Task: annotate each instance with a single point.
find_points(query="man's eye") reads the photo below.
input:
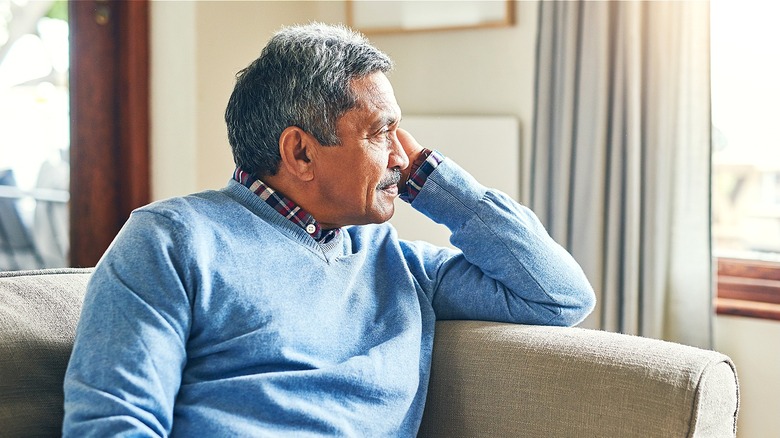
(383, 134)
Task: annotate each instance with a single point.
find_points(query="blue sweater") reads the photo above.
(213, 315)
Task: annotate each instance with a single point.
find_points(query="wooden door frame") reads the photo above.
(109, 120)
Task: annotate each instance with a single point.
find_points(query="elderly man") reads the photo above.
(283, 304)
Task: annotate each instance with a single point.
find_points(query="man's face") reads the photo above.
(357, 179)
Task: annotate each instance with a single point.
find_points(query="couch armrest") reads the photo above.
(491, 379)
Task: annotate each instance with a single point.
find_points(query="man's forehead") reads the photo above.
(375, 95)
(373, 86)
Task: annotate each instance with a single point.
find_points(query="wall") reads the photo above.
(173, 102)
(197, 47)
(754, 346)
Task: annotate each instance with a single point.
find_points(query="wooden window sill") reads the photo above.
(748, 288)
(752, 309)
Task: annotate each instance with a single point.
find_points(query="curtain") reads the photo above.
(620, 159)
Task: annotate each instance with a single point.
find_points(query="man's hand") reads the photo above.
(413, 150)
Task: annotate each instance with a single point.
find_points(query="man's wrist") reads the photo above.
(422, 167)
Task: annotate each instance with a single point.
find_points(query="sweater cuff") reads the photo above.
(451, 195)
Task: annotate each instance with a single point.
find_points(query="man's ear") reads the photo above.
(296, 148)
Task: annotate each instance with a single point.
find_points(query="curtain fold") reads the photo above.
(620, 159)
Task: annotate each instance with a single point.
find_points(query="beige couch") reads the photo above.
(488, 379)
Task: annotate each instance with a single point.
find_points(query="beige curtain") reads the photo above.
(620, 158)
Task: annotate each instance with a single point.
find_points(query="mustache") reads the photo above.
(390, 179)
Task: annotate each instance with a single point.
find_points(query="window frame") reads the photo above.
(747, 287)
(110, 127)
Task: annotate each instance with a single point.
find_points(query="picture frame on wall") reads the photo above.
(379, 16)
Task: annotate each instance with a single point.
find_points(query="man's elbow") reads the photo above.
(579, 304)
(586, 304)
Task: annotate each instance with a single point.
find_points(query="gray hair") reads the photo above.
(302, 78)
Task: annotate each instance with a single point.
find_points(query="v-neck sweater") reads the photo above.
(213, 315)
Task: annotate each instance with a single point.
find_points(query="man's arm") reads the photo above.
(508, 267)
(125, 369)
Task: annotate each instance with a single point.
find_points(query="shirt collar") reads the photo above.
(286, 207)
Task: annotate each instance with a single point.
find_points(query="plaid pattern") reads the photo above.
(422, 168)
(285, 207)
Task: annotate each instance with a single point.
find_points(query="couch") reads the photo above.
(487, 379)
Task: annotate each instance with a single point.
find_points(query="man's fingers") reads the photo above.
(410, 145)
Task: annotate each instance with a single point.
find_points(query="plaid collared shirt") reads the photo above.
(421, 169)
(285, 207)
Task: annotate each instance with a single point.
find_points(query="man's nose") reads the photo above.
(398, 157)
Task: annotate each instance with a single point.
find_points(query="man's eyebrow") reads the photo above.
(391, 120)
(385, 120)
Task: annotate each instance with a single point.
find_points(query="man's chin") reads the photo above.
(385, 205)
(383, 215)
(379, 212)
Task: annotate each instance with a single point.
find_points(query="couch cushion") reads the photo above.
(39, 311)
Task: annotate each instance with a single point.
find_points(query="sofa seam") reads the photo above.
(46, 271)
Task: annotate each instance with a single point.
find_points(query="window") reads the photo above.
(34, 134)
(108, 93)
(746, 156)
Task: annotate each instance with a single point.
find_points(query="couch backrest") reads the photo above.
(39, 311)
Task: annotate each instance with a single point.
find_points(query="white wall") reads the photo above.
(173, 99)
(754, 346)
(197, 47)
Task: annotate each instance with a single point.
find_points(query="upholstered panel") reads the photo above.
(493, 380)
(39, 311)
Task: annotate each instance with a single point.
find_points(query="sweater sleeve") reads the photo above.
(507, 267)
(125, 368)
